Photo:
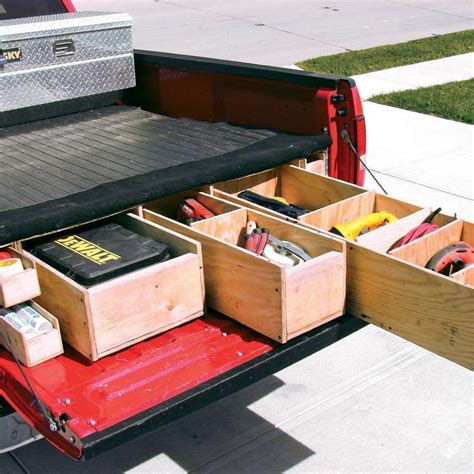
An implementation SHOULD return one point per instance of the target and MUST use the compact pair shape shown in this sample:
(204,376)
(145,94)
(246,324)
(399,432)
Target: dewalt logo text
(87,249)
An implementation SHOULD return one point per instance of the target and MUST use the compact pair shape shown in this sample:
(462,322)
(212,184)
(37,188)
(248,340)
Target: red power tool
(452,258)
(191,210)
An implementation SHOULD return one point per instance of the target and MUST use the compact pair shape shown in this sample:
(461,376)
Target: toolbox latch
(64,47)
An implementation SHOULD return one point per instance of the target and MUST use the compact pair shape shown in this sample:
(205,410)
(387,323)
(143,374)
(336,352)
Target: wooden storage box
(36,349)
(23,286)
(397,293)
(107,317)
(277,302)
(298,186)
(394,291)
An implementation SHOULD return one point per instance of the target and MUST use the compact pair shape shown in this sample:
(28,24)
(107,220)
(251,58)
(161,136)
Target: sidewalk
(428,73)
(420,158)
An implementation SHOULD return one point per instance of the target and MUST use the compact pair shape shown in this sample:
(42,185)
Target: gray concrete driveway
(281,32)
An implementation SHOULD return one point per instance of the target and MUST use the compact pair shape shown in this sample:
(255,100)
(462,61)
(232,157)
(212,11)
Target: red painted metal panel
(68,5)
(101,394)
(256,102)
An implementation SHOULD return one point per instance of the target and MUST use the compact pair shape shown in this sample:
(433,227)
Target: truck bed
(55,171)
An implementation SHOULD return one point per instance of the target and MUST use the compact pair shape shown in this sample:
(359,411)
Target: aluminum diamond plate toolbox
(53,58)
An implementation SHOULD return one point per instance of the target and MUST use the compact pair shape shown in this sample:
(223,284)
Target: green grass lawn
(453,101)
(401,54)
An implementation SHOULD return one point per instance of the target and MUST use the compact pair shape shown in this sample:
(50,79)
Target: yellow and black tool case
(100,253)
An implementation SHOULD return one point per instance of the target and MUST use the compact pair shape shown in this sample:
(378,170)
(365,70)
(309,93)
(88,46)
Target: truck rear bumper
(103,405)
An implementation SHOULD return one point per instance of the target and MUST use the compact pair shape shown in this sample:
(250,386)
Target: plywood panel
(382,238)
(340,213)
(465,276)
(421,306)
(421,250)
(315,292)
(229,227)
(70,303)
(312,191)
(37,349)
(145,301)
(265,183)
(20,287)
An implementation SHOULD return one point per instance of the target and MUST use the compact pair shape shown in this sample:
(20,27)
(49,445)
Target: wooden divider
(381,239)
(421,250)
(465,276)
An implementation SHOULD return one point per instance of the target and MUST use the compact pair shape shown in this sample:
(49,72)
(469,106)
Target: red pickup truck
(87,408)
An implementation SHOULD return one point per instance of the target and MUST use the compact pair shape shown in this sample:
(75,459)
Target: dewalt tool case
(101,253)
(54,58)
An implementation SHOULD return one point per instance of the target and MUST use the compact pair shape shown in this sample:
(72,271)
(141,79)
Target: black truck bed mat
(75,168)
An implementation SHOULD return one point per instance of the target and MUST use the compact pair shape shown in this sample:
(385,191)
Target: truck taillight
(360,135)
(361,147)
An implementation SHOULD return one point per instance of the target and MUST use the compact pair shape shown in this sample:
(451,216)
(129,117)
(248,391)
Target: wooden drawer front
(37,349)
(298,186)
(277,302)
(431,310)
(23,286)
(107,317)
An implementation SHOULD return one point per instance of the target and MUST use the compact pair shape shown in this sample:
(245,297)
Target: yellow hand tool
(363,225)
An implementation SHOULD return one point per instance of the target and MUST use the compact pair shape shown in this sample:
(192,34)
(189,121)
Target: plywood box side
(153,333)
(70,308)
(145,300)
(465,276)
(229,227)
(266,183)
(313,191)
(339,213)
(13,341)
(382,238)
(36,349)
(244,287)
(317,166)
(22,286)
(45,346)
(396,207)
(421,306)
(314,292)
(178,244)
(217,206)
(421,250)
(467,234)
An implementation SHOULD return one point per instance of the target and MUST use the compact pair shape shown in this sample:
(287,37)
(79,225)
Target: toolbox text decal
(87,249)
(12,54)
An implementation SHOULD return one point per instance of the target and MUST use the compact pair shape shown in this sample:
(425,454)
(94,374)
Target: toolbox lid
(63,23)
(101,253)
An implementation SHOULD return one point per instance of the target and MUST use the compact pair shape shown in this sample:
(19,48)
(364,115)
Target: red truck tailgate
(104,404)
